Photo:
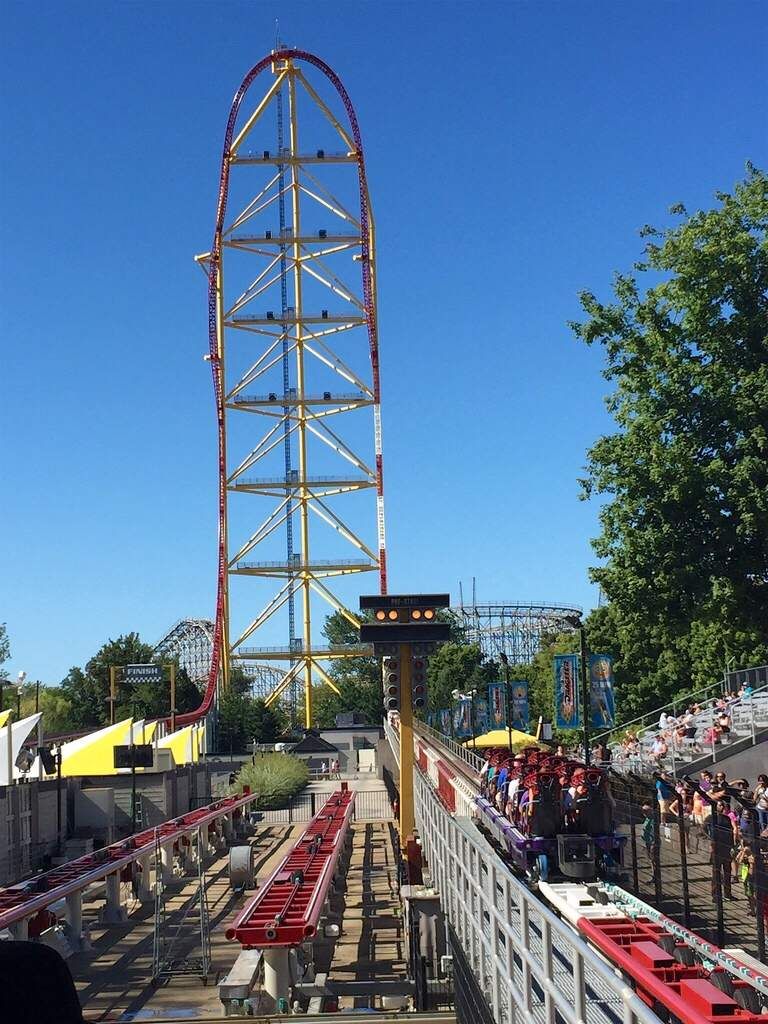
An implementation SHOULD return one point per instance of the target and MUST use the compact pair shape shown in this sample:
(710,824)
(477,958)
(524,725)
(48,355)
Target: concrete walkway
(368,960)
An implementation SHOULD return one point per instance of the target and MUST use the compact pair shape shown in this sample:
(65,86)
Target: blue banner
(444,718)
(567,691)
(603,708)
(481,716)
(462,720)
(520,710)
(497,705)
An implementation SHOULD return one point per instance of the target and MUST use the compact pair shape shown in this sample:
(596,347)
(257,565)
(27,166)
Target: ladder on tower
(182,936)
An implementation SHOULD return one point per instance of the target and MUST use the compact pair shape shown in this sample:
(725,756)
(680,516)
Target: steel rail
(25,899)
(292,918)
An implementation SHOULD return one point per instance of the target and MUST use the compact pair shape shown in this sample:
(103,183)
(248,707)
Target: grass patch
(275,777)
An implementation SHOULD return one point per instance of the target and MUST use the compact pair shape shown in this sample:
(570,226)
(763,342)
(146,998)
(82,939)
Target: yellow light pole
(407,817)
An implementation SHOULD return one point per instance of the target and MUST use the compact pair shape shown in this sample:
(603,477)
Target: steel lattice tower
(326,268)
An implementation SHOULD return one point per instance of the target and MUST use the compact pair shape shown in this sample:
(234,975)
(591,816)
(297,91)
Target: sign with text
(143,673)
(567,691)
(497,703)
(603,710)
(520,708)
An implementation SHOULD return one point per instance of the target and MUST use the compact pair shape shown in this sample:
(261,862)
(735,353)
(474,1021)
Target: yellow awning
(500,738)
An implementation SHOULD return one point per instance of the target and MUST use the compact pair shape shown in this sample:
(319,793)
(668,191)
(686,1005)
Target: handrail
(24,899)
(473,760)
(651,715)
(519,951)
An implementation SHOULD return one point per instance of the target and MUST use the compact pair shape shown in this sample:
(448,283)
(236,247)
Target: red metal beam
(28,897)
(287,910)
(687,992)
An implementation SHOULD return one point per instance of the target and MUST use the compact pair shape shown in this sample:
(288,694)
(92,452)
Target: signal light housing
(391,682)
(418,682)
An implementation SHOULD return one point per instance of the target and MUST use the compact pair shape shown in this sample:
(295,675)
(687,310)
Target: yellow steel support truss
(309,335)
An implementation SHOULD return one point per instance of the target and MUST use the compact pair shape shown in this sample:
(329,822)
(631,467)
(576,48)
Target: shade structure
(500,738)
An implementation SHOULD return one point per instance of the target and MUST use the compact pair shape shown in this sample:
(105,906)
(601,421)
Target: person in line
(666,795)
(705,781)
(760,797)
(721,834)
(648,833)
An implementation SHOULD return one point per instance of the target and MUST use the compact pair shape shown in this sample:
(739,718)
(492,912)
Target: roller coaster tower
(291,303)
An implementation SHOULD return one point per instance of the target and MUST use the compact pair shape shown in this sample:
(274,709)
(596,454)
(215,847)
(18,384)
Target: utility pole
(404,627)
(508,695)
(172,667)
(407,816)
(133,768)
(112,692)
(586,702)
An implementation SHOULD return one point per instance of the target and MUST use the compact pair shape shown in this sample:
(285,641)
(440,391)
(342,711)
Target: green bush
(275,777)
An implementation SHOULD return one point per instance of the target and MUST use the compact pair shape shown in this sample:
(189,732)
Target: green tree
(457,666)
(684,529)
(87,689)
(5,649)
(243,719)
(54,705)
(358,680)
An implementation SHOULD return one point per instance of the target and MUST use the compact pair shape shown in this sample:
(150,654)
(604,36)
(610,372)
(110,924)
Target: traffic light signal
(418,682)
(391,680)
(404,619)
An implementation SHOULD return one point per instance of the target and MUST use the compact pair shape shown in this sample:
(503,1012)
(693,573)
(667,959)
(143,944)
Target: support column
(277,975)
(166,863)
(228,827)
(143,890)
(77,940)
(20,930)
(113,912)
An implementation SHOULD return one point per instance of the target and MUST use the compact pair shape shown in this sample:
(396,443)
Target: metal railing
(748,716)
(646,720)
(466,754)
(529,964)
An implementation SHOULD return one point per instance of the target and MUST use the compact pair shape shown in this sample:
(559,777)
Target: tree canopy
(358,680)
(683,545)
(5,649)
(87,689)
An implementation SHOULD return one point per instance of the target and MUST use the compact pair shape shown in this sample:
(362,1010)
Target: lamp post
(508,695)
(133,768)
(575,621)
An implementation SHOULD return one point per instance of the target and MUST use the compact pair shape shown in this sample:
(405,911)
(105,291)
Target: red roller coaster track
(288,907)
(25,899)
(214,270)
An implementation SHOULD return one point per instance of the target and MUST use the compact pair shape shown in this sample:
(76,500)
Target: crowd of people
(697,728)
(730,815)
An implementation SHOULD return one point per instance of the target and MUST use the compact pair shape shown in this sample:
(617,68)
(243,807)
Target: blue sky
(513,152)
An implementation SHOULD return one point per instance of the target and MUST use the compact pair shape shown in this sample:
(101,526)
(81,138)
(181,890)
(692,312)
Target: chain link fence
(708,872)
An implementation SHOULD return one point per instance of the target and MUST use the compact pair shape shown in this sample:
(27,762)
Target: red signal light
(429,613)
